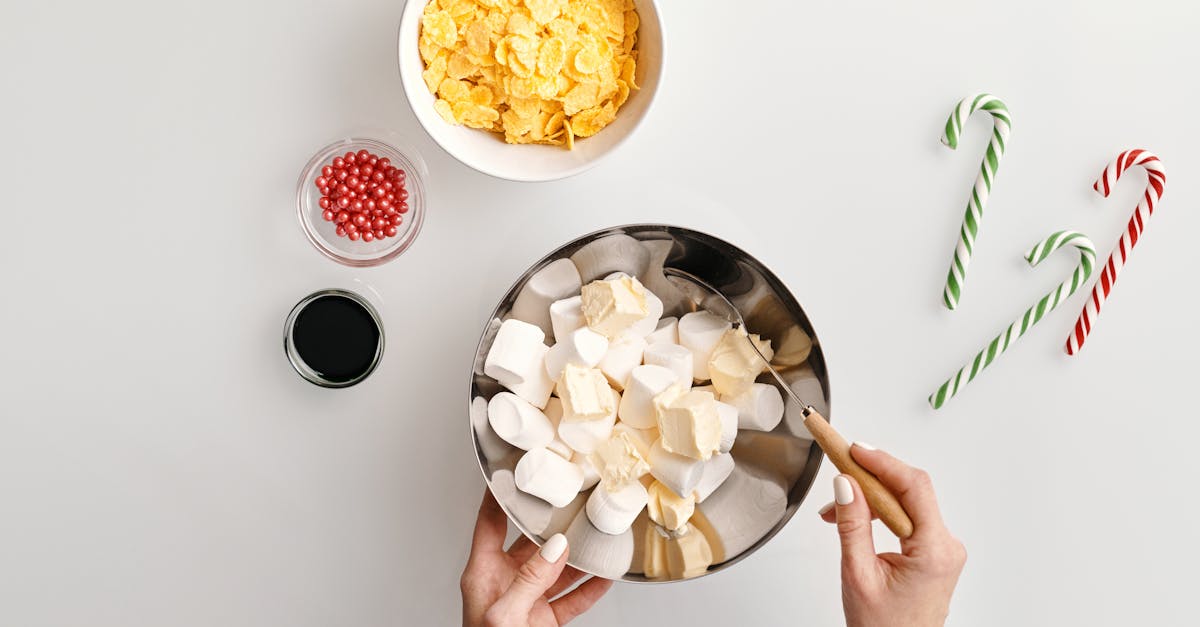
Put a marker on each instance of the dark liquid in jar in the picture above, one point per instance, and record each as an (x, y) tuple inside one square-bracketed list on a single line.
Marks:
[(337, 337)]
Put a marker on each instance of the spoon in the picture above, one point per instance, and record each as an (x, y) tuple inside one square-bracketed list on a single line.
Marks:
[(882, 501)]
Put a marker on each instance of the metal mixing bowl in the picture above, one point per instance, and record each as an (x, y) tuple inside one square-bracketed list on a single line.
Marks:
[(773, 470)]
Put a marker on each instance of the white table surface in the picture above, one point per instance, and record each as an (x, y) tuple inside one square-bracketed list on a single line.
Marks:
[(160, 463)]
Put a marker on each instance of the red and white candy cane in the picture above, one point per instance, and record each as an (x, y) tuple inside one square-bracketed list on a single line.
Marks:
[(1137, 222)]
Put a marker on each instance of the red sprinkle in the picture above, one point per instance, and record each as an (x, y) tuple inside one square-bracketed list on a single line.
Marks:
[(357, 190)]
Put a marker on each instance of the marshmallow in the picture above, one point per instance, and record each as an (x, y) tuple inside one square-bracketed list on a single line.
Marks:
[(689, 424), (612, 307), (619, 459), (688, 554), (674, 357), (585, 394), (514, 352), (649, 323), (743, 510), (668, 509), (566, 315), (519, 423), (716, 471), (559, 279), (637, 403), (729, 425), (606, 555), (582, 347), (548, 477), (624, 354), (584, 435), (699, 332), (734, 365), (759, 408), (681, 474), (612, 509), (590, 476), (490, 444), (537, 386), (666, 332), (612, 253), (560, 448)]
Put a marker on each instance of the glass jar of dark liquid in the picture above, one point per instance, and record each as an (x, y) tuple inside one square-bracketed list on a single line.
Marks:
[(333, 338)]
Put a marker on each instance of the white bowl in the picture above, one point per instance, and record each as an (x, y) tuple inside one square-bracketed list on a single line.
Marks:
[(488, 153)]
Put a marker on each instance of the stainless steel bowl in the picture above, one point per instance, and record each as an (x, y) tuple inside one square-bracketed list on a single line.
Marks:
[(773, 470)]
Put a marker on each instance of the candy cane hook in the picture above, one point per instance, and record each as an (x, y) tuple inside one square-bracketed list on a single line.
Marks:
[(1157, 180)]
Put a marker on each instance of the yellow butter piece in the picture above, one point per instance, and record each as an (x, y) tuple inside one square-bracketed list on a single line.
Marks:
[(618, 461), (688, 423), (668, 509), (585, 394), (688, 554), (611, 307), (734, 365)]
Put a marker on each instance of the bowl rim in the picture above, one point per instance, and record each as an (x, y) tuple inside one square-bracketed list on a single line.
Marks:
[(413, 10), (418, 173), (816, 456)]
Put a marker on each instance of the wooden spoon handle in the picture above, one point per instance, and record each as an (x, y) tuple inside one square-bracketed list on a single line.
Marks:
[(882, 501)]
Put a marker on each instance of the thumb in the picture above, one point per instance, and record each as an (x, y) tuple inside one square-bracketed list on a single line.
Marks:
[(536, 576), (854, 528)]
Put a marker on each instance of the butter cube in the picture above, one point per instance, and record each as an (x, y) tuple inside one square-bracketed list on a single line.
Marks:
[(618, 460), (585, 394), (667, 508), (611, 307), (733, 365), (688, 554), (689, 424)]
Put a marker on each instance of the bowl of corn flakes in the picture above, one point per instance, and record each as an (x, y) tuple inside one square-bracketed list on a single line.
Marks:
[(530, 90)]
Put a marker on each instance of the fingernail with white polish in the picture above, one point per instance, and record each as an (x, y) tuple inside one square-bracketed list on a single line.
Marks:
[(554, 547), (842, 492), (864, 446), (825, 508)]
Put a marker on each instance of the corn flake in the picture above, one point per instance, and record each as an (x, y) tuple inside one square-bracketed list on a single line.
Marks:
[(535, 71)]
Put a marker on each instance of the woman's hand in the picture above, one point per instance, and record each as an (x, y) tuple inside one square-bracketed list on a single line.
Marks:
[(911, 588), (515, 587)]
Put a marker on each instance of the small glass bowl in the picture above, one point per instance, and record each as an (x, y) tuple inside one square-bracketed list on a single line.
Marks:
[(359, 253)]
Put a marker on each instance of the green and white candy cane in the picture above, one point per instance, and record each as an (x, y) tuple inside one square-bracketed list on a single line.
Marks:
[(1001, 126), (1087, 262)]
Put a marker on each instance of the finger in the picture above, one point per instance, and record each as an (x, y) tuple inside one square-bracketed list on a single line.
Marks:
[(522, 548), (535, 577), (910, 485), (490, 526), (569, 576), (854, 528), (828, 514), (580, 599)]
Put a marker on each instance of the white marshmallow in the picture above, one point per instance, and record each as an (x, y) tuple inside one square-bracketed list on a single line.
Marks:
[(537, 386), (590, 475), (582, 347), (566, 315), (584, 435), (613, 512), (680, 473), (560, 448), (729, 425), (624, 354), (606, 556), (514, 351), (490, 444), (654, 312), (699, 332), (558, 280), (519, 423), (667, 331), (548, 477), (673, 357), (716, 471), (637, 403), (759, 408)]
